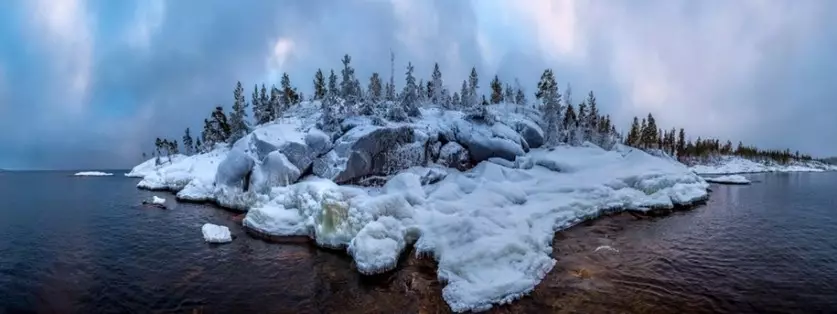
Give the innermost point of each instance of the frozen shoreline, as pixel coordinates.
(489, 228)
(736, 165)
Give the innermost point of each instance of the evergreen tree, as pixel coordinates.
(643, 136)
(347, 87)
(289, 94)
(319, 85)
(550, 98)
(256, 105)
(422, 91)
(220, 126)
(651, 132)
(464, 102)
(410, 96)
(437, 88)
(569, 123)
(264, 100)
(275, 103)
(331, 105)
(188, 147)
(238, 117)
(496, 90)
(508, 94)
(473, 86)
(198, 146)
(593, 120)
(520, 95)
(633, 134)
(455, 102)
(375, 89)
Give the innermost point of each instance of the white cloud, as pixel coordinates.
(686, 61)
(148, 18)
(63, 26)
(281, 50)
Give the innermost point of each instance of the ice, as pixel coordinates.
(92, 174)
(738, 165)
(729, 179)
(149, 166)
(606, 247)
(158, 200)
(216, 234)
(489, 228)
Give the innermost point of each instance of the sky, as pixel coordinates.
(89, 84)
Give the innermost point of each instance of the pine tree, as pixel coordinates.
(331, 105)
(264, 100)
(275, 103)
(437, 88)
(238, 117)
(220, 126)
(581, 123)
(520, 95)
(256, 105)
(455, 102)
(643, 134)
(198, 146)
(375, 88)
(347, 87)
(672, 142)
(496, 90)
(569, 124)
(319, 85)
(422, 91)
(473, 86)
(593, 133)
(651, 129)
(551, 108)
(188, 147)
(508, 94)
(464, 102)
(410, 96)
(633, 134)
(289, 94)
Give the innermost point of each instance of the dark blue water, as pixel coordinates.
(85, 245)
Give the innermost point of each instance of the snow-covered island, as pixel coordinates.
(92, 174)
(729, 179)
(738, 165)
(481, 191)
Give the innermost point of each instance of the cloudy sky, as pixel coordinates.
(91, 83)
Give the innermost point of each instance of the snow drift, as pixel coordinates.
(490, 227)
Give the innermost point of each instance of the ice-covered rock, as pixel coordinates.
(300, 155)
(378, 245)
(729, 179)
(235, 168)
(216, 234)
(376, 151)
(92, 174)
(275, 170)
(531, 132)
(453, 155)
(484, 141)
(318, 141)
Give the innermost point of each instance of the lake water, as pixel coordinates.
(84, 244)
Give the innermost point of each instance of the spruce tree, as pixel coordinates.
(651, 130)
(581, 123)
(255, 105)
(473, 87)
(319, 85)
(643, 134)
(375, 89)
(410, 94)
(275, 102)
(390, 87)
(188, 147)
(496, 90)
(633, 134)
(437, 87)
(289, 94)
(593, 133)
(464, 102)
(455, 101)
(569, 124)
(421, 95)
(508, 94)
(331, 106)
(238, 117)
(550, 98)
(264, 100)
(520, 95)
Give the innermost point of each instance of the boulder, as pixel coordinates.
(485, 141)
(300, 155)
(276, 170)
(365, 151)
(260, 147)
(531, 132)
(453, 155)
(318, 141)
(234, 170)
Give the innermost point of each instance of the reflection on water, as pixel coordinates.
(87, 247)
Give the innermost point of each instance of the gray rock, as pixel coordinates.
(484, 141)
(261, 148)
(453, 155)
(300, 155)
(376, 151)
(531, 132)
(318, 141)
(234, 170)
(276, 170)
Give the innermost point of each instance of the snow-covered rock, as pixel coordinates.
(738, 165)
(300, 155)
(318, 141)
(729, 179)
(149, 166)
(92, 174)
(453, 155)
(235, 168)
(276, 170)
(216, 234)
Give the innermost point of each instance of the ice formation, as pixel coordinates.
(216, 234)
(158, 200)
(728, 179)
(490, 228)
(92, 174)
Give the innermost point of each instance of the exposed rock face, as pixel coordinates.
(318, 141)
(381, 151)
(485, 141)
(531, 132)
(300, 155)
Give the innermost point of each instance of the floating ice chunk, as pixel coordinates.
(377, 246)
(92, 174)
(216, 234)
(606, 247)
(729, 179)
(158, 200)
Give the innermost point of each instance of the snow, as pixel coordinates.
(150, 166)
(92, 174)
(158, 200)
(489, 228)
(729, 179)
(216, 234)
(737, 165)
